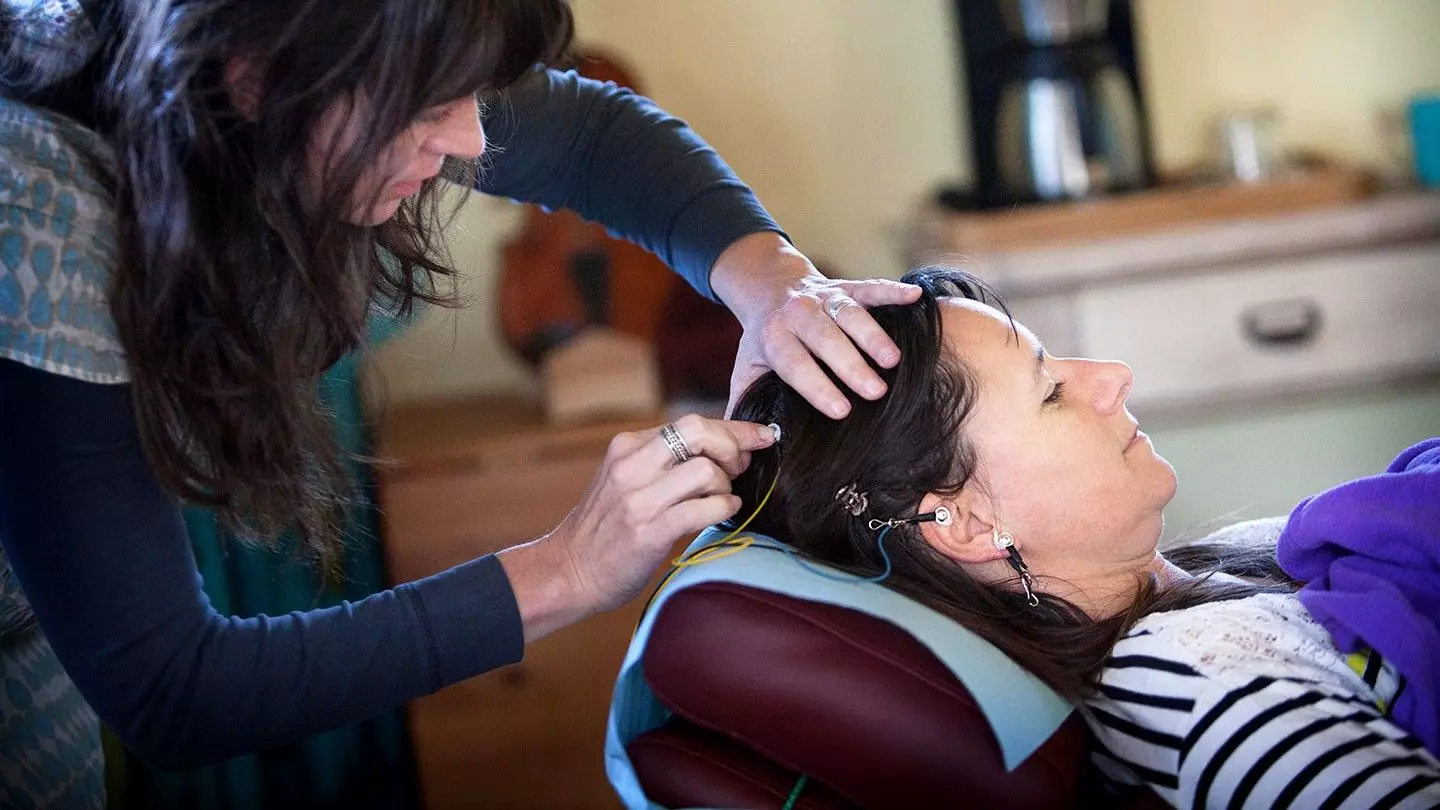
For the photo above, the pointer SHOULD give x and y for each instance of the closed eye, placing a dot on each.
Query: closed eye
(433, 115)
(1055, 393)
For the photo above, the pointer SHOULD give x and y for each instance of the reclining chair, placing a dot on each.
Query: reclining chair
(768, 699)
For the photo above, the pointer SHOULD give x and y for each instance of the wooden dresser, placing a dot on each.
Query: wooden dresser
(473, 477)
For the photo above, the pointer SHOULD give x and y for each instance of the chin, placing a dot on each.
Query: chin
(378, 215)
(1172, 481)
(1161, 481)
(382, 214)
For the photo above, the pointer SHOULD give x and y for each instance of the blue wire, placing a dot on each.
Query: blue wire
(880, 577)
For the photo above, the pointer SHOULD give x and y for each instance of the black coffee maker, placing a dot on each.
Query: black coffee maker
(1054, 100)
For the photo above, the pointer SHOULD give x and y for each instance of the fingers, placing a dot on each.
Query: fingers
(726, 443)
(696, 478)
(864, 332)
(793, 362)
(828, 341)
(695, 514)
(835, 336)
(861, 326)
(668, 503)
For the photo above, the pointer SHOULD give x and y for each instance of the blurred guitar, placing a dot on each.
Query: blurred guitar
(560, 274)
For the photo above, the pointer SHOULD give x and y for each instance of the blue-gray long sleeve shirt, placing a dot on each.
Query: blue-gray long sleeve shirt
(101, 549)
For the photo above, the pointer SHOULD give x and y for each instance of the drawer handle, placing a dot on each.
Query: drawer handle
(1281, 323)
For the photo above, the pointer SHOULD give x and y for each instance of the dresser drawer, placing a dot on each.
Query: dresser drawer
(1268, 329)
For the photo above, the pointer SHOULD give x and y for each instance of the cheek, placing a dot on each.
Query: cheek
(388, 168)
(1052, 476)
(1018, 463)
(404, 150)
(392, 165)
(318, 149)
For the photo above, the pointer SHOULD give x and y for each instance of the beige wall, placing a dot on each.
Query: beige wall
(451, 353)
(840, 113)
(844, 113)
(1334, 69)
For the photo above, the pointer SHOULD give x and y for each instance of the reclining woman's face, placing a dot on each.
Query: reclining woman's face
(1060, 464)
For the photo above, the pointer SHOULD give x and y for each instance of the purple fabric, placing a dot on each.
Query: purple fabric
(1369, 554)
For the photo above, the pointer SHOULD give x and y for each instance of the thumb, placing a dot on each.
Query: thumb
(744, 376)
(749, 435)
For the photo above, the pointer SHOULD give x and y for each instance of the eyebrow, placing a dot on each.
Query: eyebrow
(1039, 365)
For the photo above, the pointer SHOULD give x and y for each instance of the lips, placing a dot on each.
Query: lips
(1135, 436)
(405, 188)
(412, 185)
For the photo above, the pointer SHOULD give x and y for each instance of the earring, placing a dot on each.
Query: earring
(1005, 542)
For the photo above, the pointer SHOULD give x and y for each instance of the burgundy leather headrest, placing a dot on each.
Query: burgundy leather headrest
(683, 765)
(845, 698)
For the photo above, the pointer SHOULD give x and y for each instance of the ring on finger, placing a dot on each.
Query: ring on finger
(835, 306)
(679, 450)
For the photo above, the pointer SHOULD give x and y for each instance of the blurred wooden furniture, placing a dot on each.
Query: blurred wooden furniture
(1166, 207)
(473, 477)
(600, 373)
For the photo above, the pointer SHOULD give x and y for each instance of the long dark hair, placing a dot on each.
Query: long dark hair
(235, 289)
(912, 442)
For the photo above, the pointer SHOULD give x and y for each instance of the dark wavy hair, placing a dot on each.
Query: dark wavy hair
(235, 289)
(912, 442)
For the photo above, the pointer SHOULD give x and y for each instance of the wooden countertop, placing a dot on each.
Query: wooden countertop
(1384, 219)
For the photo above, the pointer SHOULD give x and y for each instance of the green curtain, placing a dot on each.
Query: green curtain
(366, 765)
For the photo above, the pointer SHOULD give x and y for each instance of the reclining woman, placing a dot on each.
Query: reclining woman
(1200, 673)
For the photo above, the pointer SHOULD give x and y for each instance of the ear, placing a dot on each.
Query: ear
(242, 82)
(969, 538)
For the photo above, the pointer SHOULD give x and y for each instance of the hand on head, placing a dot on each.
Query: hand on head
(796, 319)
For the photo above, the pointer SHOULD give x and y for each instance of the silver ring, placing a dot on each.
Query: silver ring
(673, 440)
(833, 308)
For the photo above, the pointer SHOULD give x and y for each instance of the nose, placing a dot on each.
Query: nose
(1111, 381)
(459, 133)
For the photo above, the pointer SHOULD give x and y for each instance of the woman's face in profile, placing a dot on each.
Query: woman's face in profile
(1058, 452)
(413, 158)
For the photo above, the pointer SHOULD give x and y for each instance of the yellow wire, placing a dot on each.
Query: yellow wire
(703, 555)
(708, 552)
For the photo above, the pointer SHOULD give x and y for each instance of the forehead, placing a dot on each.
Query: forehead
(1000, 355)
(973, 328)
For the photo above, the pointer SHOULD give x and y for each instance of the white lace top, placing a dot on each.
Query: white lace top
(1247, 703)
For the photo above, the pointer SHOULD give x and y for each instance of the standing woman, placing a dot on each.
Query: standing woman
(203, 203)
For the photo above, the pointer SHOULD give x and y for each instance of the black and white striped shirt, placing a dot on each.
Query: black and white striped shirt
(1247, 704)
